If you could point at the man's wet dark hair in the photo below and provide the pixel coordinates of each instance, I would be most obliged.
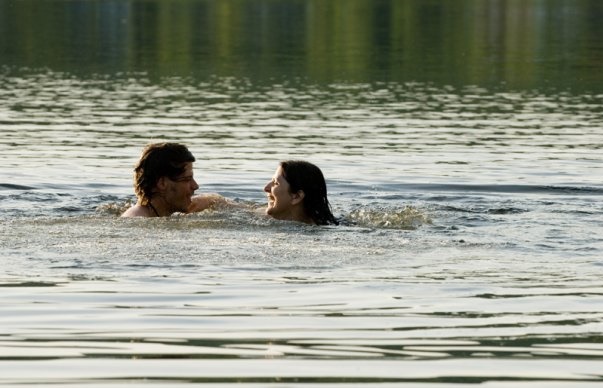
(305, 176)
(159, 160)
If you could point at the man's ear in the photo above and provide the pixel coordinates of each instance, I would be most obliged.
(297, 197)
(162, 183)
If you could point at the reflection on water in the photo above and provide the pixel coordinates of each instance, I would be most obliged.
(228, 122)
(519, 44)
(468, 253)
(469, 250)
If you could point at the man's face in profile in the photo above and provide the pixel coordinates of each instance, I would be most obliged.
(179, 190)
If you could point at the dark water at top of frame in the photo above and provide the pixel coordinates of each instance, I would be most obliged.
(512, 44)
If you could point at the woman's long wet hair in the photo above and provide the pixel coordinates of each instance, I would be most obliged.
(305, 176)
(159, 160)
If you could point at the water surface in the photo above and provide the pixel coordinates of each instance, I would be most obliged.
(461, 145)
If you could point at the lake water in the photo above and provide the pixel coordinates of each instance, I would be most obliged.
(461, 142)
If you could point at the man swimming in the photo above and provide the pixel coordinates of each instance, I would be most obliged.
(164, 182)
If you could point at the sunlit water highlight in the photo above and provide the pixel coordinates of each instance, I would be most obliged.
(470, 249)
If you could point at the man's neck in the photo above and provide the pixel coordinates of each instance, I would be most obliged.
(158, 208)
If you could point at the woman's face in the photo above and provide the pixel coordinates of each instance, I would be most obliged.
(280, 199)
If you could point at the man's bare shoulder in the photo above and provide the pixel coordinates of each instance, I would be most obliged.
(137, 211)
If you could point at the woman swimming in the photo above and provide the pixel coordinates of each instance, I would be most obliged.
(298, 192)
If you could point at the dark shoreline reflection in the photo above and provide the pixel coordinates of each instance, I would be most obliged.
(497, 44)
